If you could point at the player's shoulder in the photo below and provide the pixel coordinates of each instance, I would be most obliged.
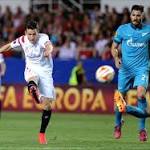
(43, 35)
(43, 38)
(21, 39)
(124, 26)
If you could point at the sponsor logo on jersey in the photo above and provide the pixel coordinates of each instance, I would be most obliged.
(135, 44)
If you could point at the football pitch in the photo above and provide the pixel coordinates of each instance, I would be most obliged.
(18, 131)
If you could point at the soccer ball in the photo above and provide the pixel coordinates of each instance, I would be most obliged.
(105, 74)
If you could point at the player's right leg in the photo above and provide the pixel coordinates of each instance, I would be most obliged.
(123, 86)
(117, 129)
(32, 78)
(34, 91)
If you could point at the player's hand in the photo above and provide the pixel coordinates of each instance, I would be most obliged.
(47, 53)
(118, 62)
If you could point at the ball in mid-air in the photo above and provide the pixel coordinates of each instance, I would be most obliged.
(105, 74)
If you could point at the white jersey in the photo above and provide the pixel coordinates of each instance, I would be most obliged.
(37, 65)
(34, 53)
(1, 61)
(1, 58)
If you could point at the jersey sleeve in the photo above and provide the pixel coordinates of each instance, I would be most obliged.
(44, 39)
(15, 44)
(118, 35)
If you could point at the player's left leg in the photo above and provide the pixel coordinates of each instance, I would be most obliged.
(47, 97)
(133, 110)
(142, 104)
(120, 107)
(45, 119)
(141, 81)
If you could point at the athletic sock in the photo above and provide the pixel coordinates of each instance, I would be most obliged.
(142, 104)
(45, 120)
(118, 117)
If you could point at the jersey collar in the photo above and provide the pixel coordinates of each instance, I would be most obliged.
(137, 27)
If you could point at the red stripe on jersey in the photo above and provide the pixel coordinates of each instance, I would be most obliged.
(22, 39)
(19, 40)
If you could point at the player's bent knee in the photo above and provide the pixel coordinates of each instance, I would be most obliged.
(30, 84)
(47, 104)
(33, 78)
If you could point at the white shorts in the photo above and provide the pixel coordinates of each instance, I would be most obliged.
(44, 81)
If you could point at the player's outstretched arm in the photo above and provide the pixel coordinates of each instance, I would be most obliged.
(48, 49)
(114, 50)
(5, 47)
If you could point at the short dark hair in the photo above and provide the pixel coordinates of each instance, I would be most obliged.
(31, 24)
(137, 7)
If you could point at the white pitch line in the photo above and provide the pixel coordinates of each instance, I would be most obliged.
(59, 148)
(44, 148)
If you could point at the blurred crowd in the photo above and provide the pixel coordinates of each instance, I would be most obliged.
(74, 34)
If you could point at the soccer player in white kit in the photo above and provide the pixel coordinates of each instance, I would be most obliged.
(2, 72)
(38, 70)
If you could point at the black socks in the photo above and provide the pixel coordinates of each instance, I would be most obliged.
(45, 120)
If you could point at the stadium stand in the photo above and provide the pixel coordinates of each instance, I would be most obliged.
(88, 25)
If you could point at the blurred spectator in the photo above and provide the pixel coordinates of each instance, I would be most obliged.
(18, 22)
(106, 55)
(68, 49)
(126, 16)
(61, 23)
(100, 44)
(148, 16)
(83, 50)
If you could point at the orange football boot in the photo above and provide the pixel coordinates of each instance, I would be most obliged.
(120, 102)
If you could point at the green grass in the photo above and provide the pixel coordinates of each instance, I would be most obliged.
(18, 131)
